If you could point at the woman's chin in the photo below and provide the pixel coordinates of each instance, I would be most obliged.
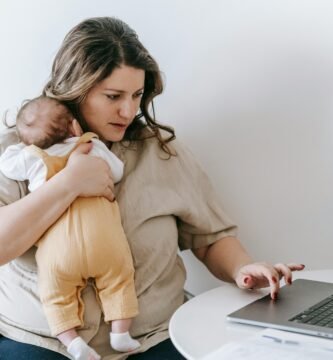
(115, 138)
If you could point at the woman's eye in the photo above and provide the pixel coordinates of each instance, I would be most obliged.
(139, 94)
(112, 97)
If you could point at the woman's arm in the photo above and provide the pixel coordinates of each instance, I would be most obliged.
(228, 261)
(25, 220)
(224, 258)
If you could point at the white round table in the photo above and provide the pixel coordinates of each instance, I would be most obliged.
(199, 326)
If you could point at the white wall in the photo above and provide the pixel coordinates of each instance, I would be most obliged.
(249, 87)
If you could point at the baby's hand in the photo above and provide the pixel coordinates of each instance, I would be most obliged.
(259, 275)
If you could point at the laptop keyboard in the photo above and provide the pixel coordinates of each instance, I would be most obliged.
(320, 314)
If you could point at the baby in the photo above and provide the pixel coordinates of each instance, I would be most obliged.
(87, 241)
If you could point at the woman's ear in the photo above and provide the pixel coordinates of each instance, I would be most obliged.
(75, 128)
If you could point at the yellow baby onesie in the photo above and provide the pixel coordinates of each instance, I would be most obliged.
(87, 241)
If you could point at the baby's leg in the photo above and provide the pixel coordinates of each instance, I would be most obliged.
(120, 338)
(76, 346)
(115, 282)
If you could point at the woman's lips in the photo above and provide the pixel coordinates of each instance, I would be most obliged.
(119, 126)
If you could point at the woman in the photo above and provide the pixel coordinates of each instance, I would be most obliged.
(107, 78)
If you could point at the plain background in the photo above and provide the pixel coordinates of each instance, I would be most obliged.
(249, 87)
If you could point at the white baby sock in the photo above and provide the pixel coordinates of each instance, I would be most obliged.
(123, 342)
(80, 350)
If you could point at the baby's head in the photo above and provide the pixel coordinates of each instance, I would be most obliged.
(43, 121)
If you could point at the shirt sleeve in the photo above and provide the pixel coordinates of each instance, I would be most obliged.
(117, 167)
(201, 219)
(10, 190)
(12, 163)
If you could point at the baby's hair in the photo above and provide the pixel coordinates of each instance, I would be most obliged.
(40, 126)
(5, 121)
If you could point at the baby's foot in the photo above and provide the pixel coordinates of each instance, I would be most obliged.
(80, 350)
(123, 342)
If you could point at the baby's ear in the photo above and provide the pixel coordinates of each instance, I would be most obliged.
(75, 128)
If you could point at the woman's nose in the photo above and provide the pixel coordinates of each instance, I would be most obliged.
(127, 109)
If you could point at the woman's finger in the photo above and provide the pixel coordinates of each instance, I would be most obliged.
(108, 193)
(273, 278)
(248, 282)
(284, 271)
(296, 267)
(82, 149)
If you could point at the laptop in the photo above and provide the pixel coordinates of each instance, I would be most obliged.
(304, 307)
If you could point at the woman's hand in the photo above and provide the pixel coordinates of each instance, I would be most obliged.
(228, 261)
(259, 275)
(88, 175)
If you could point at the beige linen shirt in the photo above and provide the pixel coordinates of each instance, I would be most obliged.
(165, 205)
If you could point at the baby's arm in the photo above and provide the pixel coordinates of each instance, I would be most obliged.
(18, 163)
(36, 170)
(12, 163)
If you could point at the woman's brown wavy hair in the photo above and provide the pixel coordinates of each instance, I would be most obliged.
(89, 54)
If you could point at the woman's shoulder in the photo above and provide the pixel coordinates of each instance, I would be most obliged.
(179, 157)
(149, 153)
(8, 136)
(175, 146)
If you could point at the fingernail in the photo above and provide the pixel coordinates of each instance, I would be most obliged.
(303, 265)
(289, 281)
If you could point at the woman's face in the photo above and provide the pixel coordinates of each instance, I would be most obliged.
(111, 105)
